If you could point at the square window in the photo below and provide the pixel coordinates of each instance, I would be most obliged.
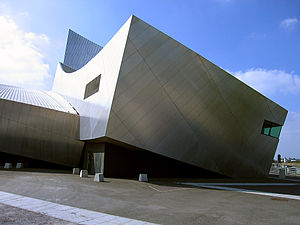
(92, 87)
(275, 131)
(271, 129)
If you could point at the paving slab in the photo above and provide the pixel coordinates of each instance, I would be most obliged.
(162, 201)
(64, 212)
(13, 215)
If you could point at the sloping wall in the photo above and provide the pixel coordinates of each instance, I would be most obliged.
(94, 110)
(171, 101)
(40, 133)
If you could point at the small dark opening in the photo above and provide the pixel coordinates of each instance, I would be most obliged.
(122, 162)
(92, 87)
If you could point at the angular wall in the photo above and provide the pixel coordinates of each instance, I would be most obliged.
(40, 133)
(94, 110)
(156, 94)
(171, 101)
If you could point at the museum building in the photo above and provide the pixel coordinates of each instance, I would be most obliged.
(143, 103)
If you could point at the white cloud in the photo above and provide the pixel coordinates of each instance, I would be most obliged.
(270, 82)
(21, 61)
(32, 37)
(289, 23)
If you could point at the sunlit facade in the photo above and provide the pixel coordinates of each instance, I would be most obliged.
(145, 103)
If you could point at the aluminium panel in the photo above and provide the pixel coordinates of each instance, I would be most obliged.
(79, 51)
(39, 98)
(94, 110)
(195, 112)
(45, 134)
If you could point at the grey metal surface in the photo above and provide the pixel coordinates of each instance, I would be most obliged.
(172, 101)
(66, 68)
(40, 133)
(44, 99)
(79, 50)
(95, 109)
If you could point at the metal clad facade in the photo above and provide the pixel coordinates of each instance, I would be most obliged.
(40, 133)
(173, 102)
(95, 109)
(79, 50)
(44, 99)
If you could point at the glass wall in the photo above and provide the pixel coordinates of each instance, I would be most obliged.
(271, 129)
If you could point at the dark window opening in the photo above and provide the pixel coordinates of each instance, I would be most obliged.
(271, 129)
(92, 87)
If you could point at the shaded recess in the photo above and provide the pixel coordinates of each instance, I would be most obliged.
(29, 162)
(121, 161)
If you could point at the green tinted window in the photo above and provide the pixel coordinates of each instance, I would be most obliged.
(271, 129)
(267, 131)
(275, 131)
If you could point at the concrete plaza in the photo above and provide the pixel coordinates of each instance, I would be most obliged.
(159, 201)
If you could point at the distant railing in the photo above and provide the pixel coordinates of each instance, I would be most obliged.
(289, 171)
(274, 170)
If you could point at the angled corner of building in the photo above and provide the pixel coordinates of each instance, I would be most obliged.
(147, 103)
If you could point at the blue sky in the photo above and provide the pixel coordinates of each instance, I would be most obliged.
(256, 40)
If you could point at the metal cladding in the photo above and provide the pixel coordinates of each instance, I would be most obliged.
(79, 50)
(39, 125)
(158, 95)
(46, 99)
(39, 133)
(94, 111)
(148, 91)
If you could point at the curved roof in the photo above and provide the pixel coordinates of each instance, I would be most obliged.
(45, 99)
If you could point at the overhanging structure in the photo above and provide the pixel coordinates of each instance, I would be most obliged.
(146, 103)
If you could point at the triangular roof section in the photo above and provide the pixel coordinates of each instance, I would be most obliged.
(79, 50)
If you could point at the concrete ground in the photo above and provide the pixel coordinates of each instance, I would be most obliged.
(12, 215)
(162, 201)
